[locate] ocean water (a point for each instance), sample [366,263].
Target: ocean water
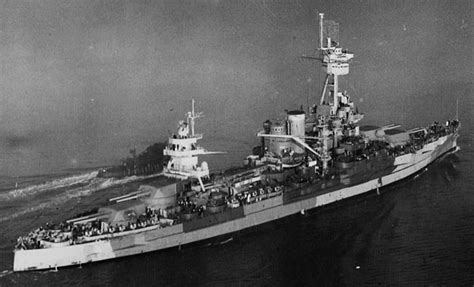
[78,94]
[417,232]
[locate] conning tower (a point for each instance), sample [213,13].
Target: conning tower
[315,136]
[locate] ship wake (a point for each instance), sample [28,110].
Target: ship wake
[84,185]
[49,186]
[5,273]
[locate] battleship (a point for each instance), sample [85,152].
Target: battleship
[305,160]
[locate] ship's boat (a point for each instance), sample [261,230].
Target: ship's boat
[305,160]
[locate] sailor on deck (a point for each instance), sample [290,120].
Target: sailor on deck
[183,130]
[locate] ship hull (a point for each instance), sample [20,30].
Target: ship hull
[232,220]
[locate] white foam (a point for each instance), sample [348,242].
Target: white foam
[5,273]
[50,185]
[95,184]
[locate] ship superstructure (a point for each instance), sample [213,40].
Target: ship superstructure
[305,160]
[183,151]
[327,124]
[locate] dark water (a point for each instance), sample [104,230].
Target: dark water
[417,232]
[80,93]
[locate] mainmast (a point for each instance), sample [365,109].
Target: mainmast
[191,116]
[183,151]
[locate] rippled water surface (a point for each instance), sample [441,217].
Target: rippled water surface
[83,83]
[416,232]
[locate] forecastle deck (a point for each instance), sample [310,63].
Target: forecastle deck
[231,220]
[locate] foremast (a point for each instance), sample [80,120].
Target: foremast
[312,138]
[335,61]
[183,151]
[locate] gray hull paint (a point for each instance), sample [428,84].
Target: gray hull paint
[152,239]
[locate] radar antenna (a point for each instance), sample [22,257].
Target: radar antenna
[335,60]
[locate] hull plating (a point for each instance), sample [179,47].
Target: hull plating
[243,217]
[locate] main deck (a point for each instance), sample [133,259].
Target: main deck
[230,220]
